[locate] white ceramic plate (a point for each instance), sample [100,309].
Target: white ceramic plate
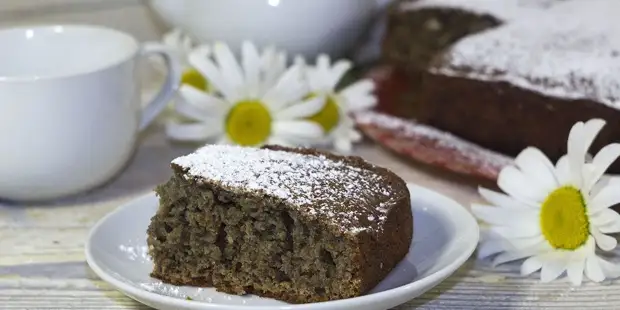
[445,235]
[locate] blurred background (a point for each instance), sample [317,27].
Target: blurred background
[149,19]
[132,16]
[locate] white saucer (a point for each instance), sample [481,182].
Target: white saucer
[445,235]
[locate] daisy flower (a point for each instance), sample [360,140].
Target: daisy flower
[555,216]
[253,103]
[335,117]
[182,45]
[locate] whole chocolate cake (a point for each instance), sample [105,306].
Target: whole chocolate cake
[293,224]
[525,81]
[417,30]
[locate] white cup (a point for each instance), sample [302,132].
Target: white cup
[70,107]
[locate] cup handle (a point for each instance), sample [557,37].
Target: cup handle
[168,90]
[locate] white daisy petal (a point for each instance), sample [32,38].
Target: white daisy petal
[504,216]
[611,180]
[190,111]
[172,38]
[319,76]
[516,184]
[512,256]
[339,69]
[576,153]
[270,59]
[591,129]
[361,87]
[538,168]
[273,72]
[224,140]
[297,129]
[200,60]
[343,136]
[362,103]
[605,198]
[355,135]
[359,90]
[605,181]
[580,139]
[593,269]
[552,268]
[603,241]
[315,80]
[531,265]
[343,146]
[537,242]
[198,104]
[323,62]
[500,200]
[187,43]
[518,230]
[357,103]
[562,171]
[193,131]
[610,270]
[604,217]
[251,68]
[601,162]
[300,61]
[610,228]
[491,247]
[303,109]
[179,41]
[574,270]
[288,89]
[515,243]
[228,65]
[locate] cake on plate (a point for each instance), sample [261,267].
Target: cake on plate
[297,225]
[526,80]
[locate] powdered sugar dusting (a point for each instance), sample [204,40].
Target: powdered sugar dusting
[505,10]
[474,153]
[559,55]
[318,186]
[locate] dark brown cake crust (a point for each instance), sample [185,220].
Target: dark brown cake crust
[506,118]
[375,251]
[414,37]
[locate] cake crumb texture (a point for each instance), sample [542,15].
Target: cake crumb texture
[315,184]
[292,224]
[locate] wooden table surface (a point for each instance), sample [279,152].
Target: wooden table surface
[42,263]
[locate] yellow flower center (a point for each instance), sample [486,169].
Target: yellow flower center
[329,116]
[193,78]
[248,123]
[563,219]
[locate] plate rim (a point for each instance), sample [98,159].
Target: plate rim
[460,212]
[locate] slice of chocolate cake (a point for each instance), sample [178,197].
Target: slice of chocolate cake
[293,224]
[526,83]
